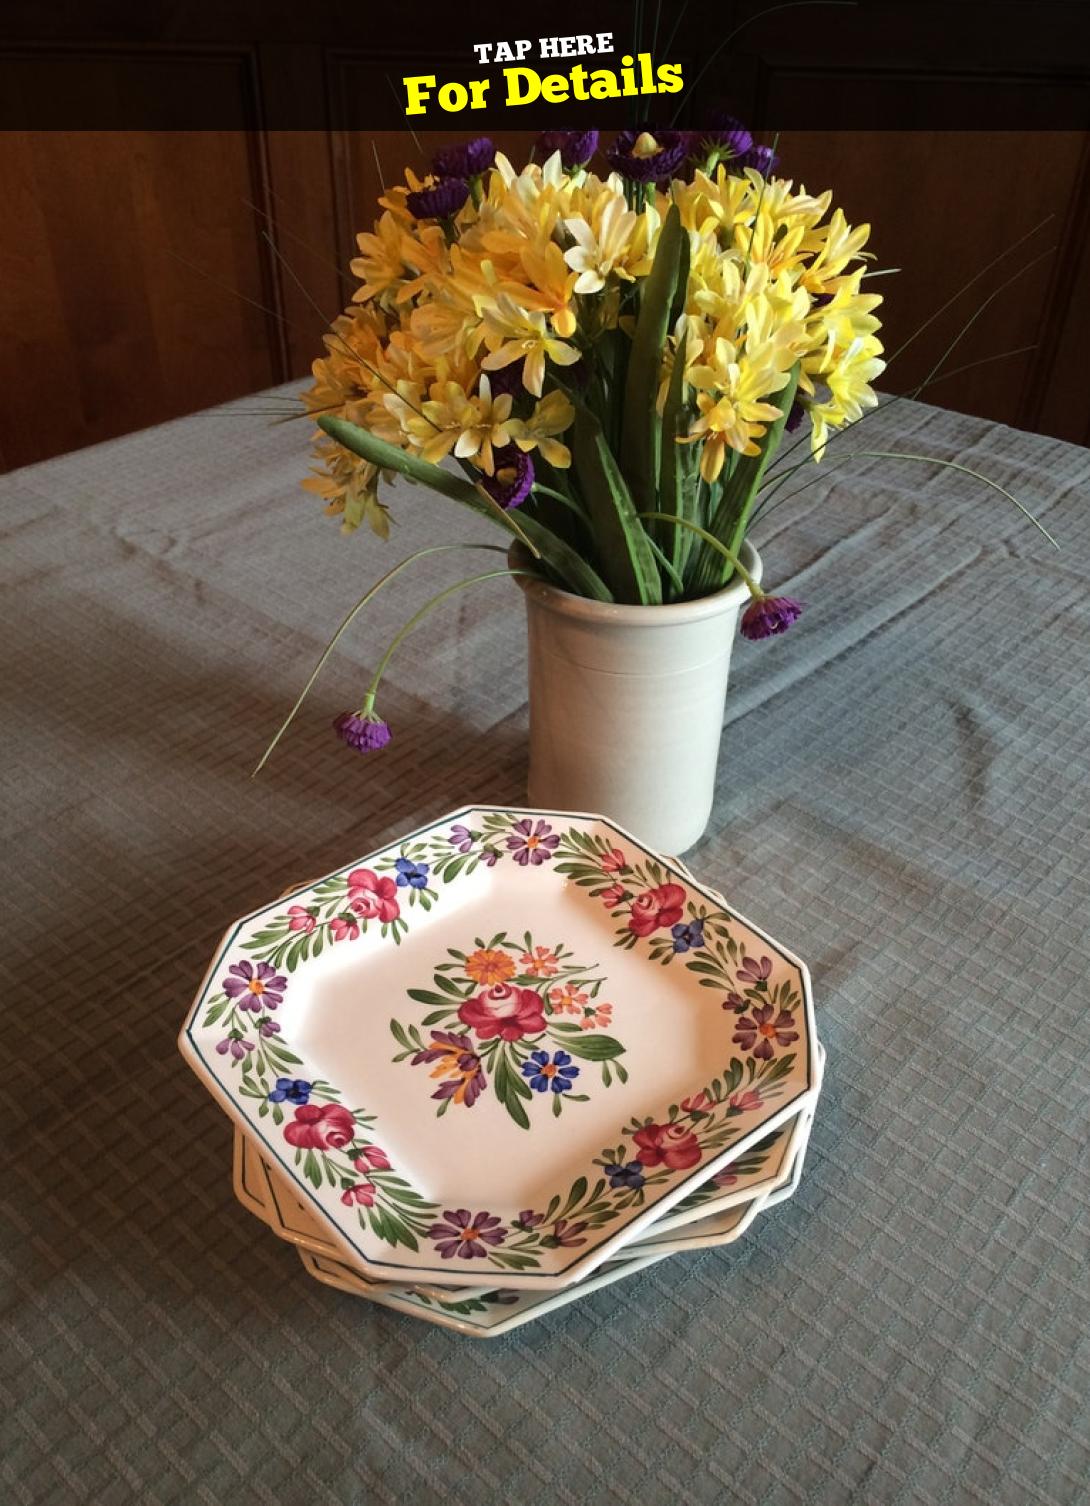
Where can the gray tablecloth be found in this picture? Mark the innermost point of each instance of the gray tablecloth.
(903, 800)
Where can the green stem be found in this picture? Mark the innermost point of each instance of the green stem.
(418, 617)
(709, 538)
(568, 502)
(347, 623)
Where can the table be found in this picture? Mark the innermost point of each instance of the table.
(903, 800)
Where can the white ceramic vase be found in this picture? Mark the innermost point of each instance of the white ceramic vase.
(626, 706)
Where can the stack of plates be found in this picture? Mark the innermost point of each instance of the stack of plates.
(503, 1062)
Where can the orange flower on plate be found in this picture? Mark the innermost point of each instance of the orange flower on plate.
(540, 963)
(566, 999)
(489, 966)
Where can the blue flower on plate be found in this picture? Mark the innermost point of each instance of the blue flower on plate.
(291, 1089)
(411, 875)
(687, 935)
(545, 1072)
(629, 1178)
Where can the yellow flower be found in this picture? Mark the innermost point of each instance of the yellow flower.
(611, 245)
(512, 332)
(452, 420)
(550, 288)
(380, 265)
(551, 416)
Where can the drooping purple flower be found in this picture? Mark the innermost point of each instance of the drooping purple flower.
(576, 148)
(626, 157)
(461, 837)
(439, 201)
(466, 161)
(753, 971)
(795, 417)
(763, 158)
(513, 478)
(465, 1082)
(257, 988)
(267, 1028)
(767, 616)
(528, 1219)
(235, 1045)
(530, 843)
(466, 1234)
(726, 141)
(366, 734)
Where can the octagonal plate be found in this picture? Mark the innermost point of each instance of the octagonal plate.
(497, 1049)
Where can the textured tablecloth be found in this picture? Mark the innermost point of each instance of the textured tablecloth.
(903, 799)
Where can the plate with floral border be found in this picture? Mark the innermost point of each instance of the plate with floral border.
(725, 1227)
(486, 1316)
(264, 1193)
(476, 1052)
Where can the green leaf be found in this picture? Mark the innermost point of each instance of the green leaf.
(641, 430)
(592, 1048)
(631, 571)
(560, 557)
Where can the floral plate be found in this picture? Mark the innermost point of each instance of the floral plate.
(436, 1042)
(486, 1316)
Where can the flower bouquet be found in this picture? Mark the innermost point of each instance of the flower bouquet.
(611, 362)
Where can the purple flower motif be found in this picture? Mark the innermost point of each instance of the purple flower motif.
(763, 158)
(366, 734)
(627, 1178)
(753, 971)
(467, 161)
(687, 935)
(564, 1233)
(489, 857)
(440, 201)
(461, 837)
(767, 616)
(673, 149)
(255, 988)
(466, 1234)
(458, 1063)
(530, 843)
(410, 874)
(762, 1025)
(267, 1027)
(576, 148)
(234, 1044)
(734, 1001)
(513, 478)
(528, 1219)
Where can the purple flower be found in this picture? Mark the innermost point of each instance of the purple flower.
(779, 1029)
(727, 141)
(796, 415)
(564, 1233)
(514, 476)
(673, 149)
(366, 734)
(255, 988)
(686, 936)
(506, 381)
(766, 616)
(291, 1090)
(628, 1178)
(467, 161)
(576, 148)
(545, 1072)
(267, 1027)
(530, 843)
(461, 837)
(528, 1219)
(234, 1044)
(465, 1234)
(763, 158)
(489, 857)
(458, 1063)
(440, 201)
(753, 971)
